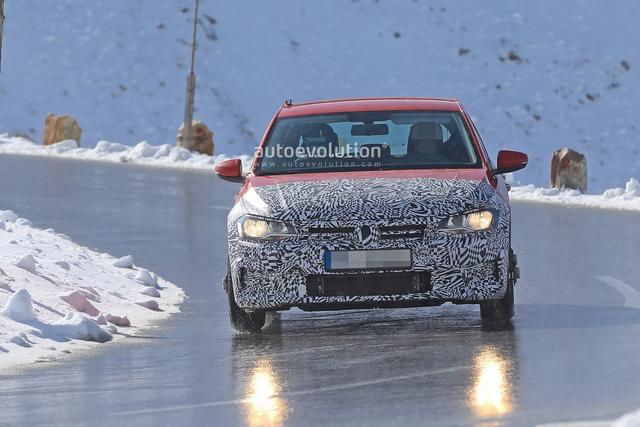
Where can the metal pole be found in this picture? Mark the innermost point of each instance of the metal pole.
(187, 141)
(1, 26)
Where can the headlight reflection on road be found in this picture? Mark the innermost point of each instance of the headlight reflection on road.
(490, 393)
(264, 405)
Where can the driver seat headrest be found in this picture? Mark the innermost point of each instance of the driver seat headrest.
(319, 134)
(424, 136)
(426, 131)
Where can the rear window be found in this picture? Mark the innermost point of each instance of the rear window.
(374, 140)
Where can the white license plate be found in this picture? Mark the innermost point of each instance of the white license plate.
(381, 259)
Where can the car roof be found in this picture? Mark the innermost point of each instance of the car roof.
(368, 104)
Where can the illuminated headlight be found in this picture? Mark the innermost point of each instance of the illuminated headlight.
(252, 228)
(466, 223)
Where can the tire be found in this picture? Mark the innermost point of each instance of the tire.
(242, 321)
(502, 310)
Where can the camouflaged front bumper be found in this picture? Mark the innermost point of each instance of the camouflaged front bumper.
(467, 267)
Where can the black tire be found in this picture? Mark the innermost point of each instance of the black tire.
(242, 321)
(502, 310)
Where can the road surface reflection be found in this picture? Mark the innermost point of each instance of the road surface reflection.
(376, 361)
(490, 394)
(264, 406)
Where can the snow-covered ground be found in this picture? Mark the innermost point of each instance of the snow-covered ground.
(57, 296)
(625, 198)
(143, 153)
(631, 419)
(536, 75)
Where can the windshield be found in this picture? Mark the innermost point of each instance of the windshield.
(367, 141)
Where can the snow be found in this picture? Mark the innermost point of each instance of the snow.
(150, 304)
(141, 154)
(151, 292)
(26, 262)
(77, 326)
(536, 78)
(631, 419)
(146, 278)
(57, 297)
(627, 198)
(9, 216)
(124, 262)
(19, 307)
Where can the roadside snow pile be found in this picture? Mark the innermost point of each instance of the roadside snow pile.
(628, 420)
(142, 154)
(56, 296)
(627, 198)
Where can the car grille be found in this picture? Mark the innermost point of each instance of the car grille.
(402, 283)
(331, 230)
(412, 231)
(403, 231)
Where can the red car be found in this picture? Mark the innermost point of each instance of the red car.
(370, 203)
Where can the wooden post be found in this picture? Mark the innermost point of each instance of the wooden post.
(191, 88)
(1, 26)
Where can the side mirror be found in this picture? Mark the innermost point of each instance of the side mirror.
(510, 161)
(230, 170)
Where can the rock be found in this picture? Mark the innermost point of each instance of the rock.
(61, 128)
(202, 138)
(90, 294)
(80, 302)
(569, 170)
(105, 318)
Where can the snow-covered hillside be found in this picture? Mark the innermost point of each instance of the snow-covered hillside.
(536, 75)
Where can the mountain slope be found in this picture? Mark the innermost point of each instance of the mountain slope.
(535, 76)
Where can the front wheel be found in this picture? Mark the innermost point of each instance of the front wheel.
(242, 321)
(500, 310)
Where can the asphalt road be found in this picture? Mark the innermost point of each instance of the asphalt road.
(573, 353)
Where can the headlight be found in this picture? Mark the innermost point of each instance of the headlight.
(465, 223)
(252, 228)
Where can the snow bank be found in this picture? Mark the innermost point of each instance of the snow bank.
(628, 420)
(56, 296)
(627, 198)
(141, 154)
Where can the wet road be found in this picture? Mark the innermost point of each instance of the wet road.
(571, 355)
